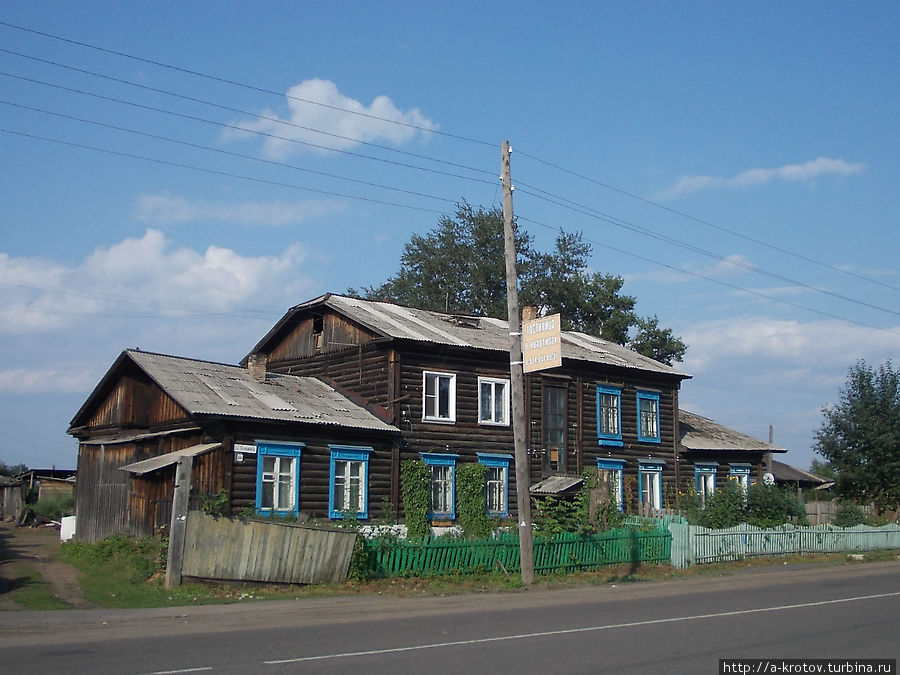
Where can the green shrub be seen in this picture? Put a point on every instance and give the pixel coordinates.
(55, 506)
(771, 505)
(724, 508)
(470, 502)
(848, 515)
(415, 483)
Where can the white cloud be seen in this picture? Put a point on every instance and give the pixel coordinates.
(146, 276)
(167, 210)
(39, 380)
(791, 173)
(340, 129)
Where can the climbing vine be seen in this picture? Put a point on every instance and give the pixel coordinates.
(470, 500)
(415, 482)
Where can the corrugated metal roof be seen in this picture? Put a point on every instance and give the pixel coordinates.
(155, 463)
(700, 433)
(408, 323)
(205, 388)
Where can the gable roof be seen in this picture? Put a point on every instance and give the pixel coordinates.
(389, 320)
(204, 388)
(700, 433)
(787, 473)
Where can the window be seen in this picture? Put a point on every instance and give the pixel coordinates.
(348, 492)
(609, 415)
(442, 496)
(554, 436)
(496, 483)
(705, 479)
(650, 479)
(611, 470)
(278, 478)
(648, 416)
(439, 403)
(740, 473)
(493, 401)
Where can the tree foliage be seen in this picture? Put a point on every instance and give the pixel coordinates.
(460, 267)
(860, 437)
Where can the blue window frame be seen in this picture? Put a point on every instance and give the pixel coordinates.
(648, 417)
(705, 478)
(740, 473)
(615, 470)
(348, 490)
(496, 483)
(442, 495)
(609, 415)
(278, 478)
(650, 482)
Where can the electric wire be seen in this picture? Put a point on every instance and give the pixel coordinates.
(721, 228)
(243, 85)
(226, 152)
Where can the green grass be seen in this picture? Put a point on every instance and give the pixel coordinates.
(33, 593)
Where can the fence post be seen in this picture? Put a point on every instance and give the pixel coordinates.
(178, 525)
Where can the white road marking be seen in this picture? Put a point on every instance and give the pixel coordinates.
(183, 670)
(568, 631)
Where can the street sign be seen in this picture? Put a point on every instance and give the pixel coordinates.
(541, 343)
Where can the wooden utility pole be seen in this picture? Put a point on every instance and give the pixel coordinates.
(177, 527)
(517, 377)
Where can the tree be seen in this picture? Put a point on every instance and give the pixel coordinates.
(11, 469)
(860, 437)
(460, 267)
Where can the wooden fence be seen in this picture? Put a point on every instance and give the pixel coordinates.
(561, 553)
(235, 550)
(692, 544)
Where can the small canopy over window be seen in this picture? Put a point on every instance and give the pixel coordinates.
(157, 463)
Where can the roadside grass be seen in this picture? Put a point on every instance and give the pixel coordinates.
(122, 572)
(24, 586)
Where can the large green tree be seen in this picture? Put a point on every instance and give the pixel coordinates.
(460, 267)
(860, 437)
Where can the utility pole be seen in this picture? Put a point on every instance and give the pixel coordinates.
(517, 377)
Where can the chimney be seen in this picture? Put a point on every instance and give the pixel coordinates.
(256, 366)
(529, 312)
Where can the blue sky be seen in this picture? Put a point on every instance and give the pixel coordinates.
(736, 163)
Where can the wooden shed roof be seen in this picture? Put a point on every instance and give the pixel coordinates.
(399, 322)
(204, 388)
(700, 433)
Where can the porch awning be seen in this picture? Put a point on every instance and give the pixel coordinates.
(556, 485)
(156, 463)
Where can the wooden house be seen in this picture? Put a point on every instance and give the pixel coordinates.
(444, 380)
(269, 443)
(715, 453)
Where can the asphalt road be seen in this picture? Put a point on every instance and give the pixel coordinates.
(679, 626)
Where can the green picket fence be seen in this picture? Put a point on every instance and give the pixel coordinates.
(561, 553)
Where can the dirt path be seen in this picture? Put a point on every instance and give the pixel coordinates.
(33, 548)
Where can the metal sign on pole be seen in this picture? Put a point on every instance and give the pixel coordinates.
(517, 377)
(541, 343)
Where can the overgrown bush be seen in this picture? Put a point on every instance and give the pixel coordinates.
(137, 559)
(415, 483)
(771, 505)
(849, 514)
(55, 507)
(470, 502)
(724, 508)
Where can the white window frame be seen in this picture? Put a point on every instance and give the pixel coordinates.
(705, 479)
(436, 377)
(609, 436)
(741, 474)
(650, 484)
(442, 470)
(494, 383)
(616, 469)
(648, 407)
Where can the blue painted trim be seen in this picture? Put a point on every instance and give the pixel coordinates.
(649, 396)
(443, 459)
(617, 465)
(278, 449)
(502, 461)
(703, 469)
(605, 438)
(351, 453)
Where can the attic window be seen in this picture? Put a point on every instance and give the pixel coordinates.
(318, 329)
(464, 321)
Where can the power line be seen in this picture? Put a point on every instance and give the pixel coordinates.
(618, 222)
(243, 85)
(240, 112)
(216, 171)
(721, 228)
(226, 152)
(716, 281)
